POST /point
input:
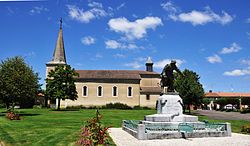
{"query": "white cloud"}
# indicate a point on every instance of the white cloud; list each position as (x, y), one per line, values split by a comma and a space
(161, 64)
(98, 55)
(232, 49)
(248, 34)
(38, 10)
(80, 15)
(88, 40)
(113, 44)
(248, 20)
(202, 17)
(10, 11)
(170, 7)
(237, 72)
(246, 62)
(136, 29)
(95, 4)
(134, 65)
(121, 6)
(119, 56)
(214, 59)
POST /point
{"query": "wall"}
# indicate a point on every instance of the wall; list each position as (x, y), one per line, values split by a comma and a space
(149, 103)
(93, 100)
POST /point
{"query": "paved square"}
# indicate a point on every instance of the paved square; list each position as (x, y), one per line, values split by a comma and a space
(122, 138)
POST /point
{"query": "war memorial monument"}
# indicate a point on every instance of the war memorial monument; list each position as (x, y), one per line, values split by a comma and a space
(170, 122)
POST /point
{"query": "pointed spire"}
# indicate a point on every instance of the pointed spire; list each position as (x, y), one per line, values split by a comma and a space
(59, 52)
(61, 23)
(149, 60)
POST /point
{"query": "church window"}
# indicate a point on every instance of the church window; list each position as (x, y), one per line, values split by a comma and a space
(130, 94)
(148, 97)
(85, 91)
(115, 91)
(99, 91)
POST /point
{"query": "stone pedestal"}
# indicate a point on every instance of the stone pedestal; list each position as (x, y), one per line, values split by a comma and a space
(170, 122)
(170, 109)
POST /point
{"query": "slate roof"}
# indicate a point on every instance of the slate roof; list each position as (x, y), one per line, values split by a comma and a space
(113, 74)
(59, 56)
(226, 94)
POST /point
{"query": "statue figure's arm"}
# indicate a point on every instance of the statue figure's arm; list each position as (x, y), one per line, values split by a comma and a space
(178, 71)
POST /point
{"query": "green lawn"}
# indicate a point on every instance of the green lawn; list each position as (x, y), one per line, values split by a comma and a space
(47, 127)
(235, 124)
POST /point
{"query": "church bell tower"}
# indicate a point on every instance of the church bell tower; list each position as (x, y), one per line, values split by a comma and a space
(59, 57)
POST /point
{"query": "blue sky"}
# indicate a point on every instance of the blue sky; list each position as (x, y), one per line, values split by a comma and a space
(210, 37)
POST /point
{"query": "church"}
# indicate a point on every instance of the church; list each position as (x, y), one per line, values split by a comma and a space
(100, 87)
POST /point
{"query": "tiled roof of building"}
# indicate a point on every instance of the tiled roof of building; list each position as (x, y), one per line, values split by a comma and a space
(226, 94)
(113, 74)
(150, 90)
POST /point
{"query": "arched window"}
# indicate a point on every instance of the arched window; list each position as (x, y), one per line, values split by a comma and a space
(115, 91)
(130, 92)
(85, 91)
(99, 91)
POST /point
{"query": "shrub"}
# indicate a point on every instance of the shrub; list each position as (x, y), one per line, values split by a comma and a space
(244, 111)
(116, 106)
(245, 129)
(94, 133)
(37, 106)
(137, 107)
(12, 116)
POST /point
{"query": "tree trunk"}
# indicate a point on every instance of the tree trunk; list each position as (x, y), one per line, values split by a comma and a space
(189, 111)
(59, 102)
(7, 105)
(46, 101)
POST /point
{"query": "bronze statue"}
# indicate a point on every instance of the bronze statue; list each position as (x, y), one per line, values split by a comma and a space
(167, 76)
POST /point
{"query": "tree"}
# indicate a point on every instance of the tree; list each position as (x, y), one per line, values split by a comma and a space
(189, 88)
(206, 102)
(18, 82)
(61, 84)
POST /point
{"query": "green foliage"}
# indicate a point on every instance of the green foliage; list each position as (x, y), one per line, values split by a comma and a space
(141, 108)
(224, 101)
(189, 88)
(221, 101)
(61, 84)
(244, 111)
(116, 106)
(18, 83)
(245, 101)
(245, 129)
(109, 106)
(206, 101)
(94, 133)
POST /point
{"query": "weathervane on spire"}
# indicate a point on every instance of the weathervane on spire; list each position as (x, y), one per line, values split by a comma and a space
(61, 23)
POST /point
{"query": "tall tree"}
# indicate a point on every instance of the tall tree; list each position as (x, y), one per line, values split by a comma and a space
(61, 84)
(18, 82)
(189, 88)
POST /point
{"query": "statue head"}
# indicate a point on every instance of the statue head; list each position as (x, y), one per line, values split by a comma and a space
(173, 62)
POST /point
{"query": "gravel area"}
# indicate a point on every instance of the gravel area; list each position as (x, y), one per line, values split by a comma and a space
(122, 138)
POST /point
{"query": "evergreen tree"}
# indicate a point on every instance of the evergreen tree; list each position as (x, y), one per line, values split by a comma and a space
(61, 84)
(189, 88)
(18, 82)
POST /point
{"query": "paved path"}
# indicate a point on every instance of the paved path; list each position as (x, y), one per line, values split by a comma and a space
(122, 138)
(223, 115)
